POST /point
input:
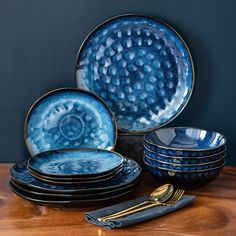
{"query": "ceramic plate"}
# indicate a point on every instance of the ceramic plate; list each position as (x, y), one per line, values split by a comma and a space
(131, 172)
(69, 118)
(185, 139)
(65, 181)
(141, 67)
(46, 200)
(79, 179)
(64, 196)
(75, 163)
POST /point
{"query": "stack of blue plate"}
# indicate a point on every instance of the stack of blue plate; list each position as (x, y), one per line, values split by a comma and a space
(41, 187)
(186, 157)
(70, 134)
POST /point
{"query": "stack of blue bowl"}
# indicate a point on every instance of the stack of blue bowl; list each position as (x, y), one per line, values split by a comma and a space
(189, 158)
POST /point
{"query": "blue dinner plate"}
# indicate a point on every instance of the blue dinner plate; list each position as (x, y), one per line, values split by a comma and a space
(40, 199)
(131, 172)
(185, 139)
(75, 162)
(141, 67)
(69, 118)
(69, 196)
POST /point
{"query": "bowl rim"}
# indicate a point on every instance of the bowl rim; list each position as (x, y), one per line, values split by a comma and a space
(179, 171)
(184, 157)
(184, 149)
(177, 164)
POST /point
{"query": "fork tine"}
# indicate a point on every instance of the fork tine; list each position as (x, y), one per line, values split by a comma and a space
(174, 197)
(178, 197)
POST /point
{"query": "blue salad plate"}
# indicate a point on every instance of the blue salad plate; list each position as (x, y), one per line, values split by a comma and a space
(141, 67)
(69, 118)
(129, 175)
(76, 163)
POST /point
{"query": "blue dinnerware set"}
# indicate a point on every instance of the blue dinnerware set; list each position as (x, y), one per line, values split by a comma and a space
(134, 74)
(189, 158)
(70, 134)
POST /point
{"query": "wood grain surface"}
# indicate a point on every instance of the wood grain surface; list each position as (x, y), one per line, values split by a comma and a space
(213, 213)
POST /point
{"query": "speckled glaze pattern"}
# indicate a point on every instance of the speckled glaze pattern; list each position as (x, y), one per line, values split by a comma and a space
(185, 139)
(184, 168)
(130, 146)
(184, 160)
(141, 67)
(75, 163)
(69, 118)
(131, 173)
(183, 153)
(187, 181)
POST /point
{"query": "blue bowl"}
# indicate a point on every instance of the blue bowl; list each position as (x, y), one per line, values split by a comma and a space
(184, 160)
(186, 167)
(185, 180)
(184, 141)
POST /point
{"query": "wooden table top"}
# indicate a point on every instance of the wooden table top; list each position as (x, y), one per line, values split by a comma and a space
(213, 213)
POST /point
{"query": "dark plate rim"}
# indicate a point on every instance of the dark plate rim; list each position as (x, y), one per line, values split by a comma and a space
(67, 202)
(60, 195)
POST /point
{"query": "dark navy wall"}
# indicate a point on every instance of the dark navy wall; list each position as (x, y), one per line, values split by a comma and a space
(39, 42)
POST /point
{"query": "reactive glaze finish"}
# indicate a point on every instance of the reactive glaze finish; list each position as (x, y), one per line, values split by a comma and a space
(185, 139)
(131, 172)
(141, 67)
(184, 168)
(184, 160)
(69, 118)
(75, 163)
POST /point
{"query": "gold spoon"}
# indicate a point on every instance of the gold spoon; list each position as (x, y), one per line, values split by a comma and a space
(162, 194)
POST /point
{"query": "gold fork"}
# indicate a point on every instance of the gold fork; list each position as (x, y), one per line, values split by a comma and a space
(173, 200)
